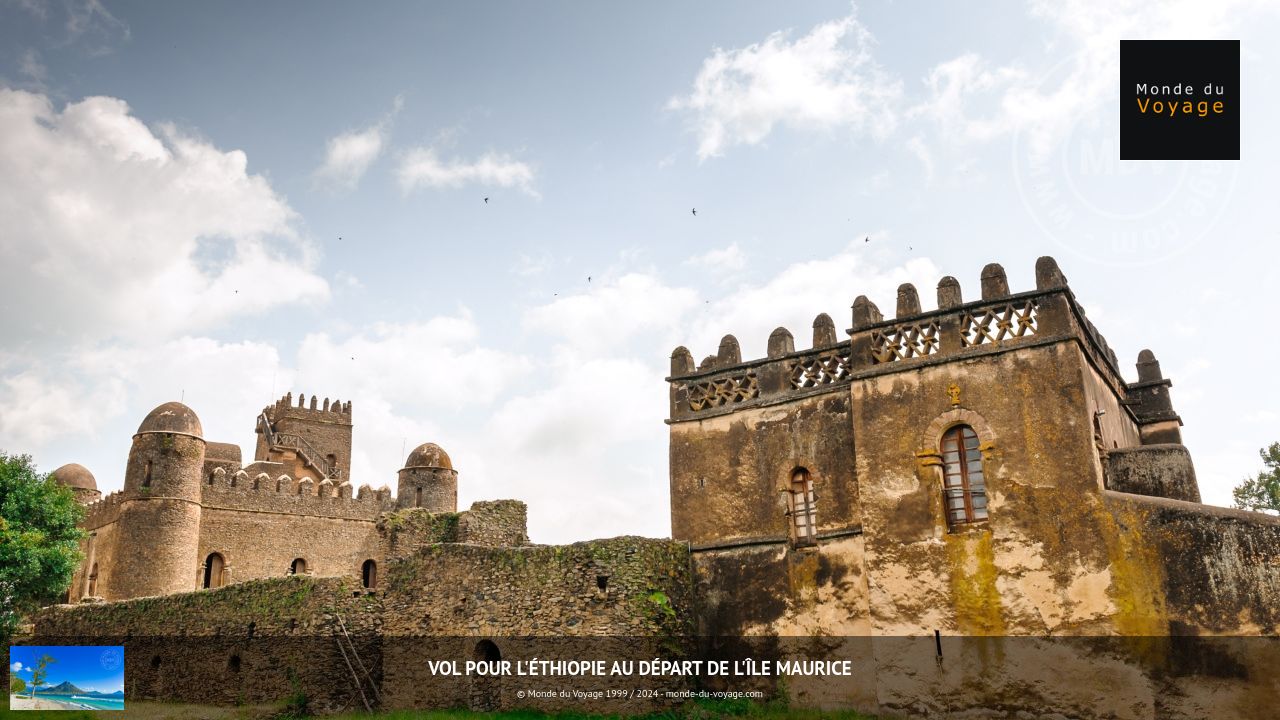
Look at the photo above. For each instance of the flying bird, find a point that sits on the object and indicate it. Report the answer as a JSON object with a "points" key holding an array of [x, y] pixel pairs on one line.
{"points": [[588, 278], [867, 240], [695, 212], [486, 201]]}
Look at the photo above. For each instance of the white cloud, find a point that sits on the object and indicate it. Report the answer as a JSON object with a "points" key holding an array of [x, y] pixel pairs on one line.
{"points": [[422, 168], [723, 263], [349, 155], [110, 229], [921, 151], [824, 80], [16, 667]]}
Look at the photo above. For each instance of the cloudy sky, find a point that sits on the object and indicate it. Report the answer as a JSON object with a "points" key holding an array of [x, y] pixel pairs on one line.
{"points": [[222, 203]]}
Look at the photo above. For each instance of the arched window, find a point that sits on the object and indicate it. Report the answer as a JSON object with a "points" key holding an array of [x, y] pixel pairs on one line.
{"points": [[417, 497], [93, 581], [146, 477], [963, 488], [298, 567], [369, 574], [801, 508], [213, 566]]}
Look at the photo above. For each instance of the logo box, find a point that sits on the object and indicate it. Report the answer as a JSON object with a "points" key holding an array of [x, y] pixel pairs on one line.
{"points": [[1179, 99]]}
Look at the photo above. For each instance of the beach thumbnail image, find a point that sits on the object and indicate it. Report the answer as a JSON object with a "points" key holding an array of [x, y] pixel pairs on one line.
{"points": [[66, 677]]}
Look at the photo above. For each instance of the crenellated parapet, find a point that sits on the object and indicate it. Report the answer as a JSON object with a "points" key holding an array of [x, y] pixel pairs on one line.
{"points": [[998, 321], [281, 493], [286, 407], [103, 511]]}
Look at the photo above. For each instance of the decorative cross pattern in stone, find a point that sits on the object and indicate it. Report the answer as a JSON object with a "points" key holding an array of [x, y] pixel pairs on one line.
{"points": [[998, 323], [821, 369], [900, 342], [723, 390]]}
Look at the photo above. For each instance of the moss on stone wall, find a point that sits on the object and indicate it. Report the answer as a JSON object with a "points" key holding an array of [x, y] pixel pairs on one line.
{"points": [[972, 569]]}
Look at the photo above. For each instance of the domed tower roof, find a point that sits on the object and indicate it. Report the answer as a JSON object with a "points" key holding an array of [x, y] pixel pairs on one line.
{"points": [[429, 455], [172, 417], [74, 475]]}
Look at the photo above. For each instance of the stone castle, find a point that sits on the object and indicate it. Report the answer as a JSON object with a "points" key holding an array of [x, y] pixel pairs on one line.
{"points": [[192, 515], [969, 502]]}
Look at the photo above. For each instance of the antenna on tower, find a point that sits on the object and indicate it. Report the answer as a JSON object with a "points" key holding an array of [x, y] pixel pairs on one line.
{"points": [[183, 397]]}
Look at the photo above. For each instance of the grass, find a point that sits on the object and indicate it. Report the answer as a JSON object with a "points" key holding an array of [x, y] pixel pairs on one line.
{"points": [[707, 710]]}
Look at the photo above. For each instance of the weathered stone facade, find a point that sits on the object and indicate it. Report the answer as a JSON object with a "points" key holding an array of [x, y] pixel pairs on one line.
{"points": [[970, 503], [1084, 524]]}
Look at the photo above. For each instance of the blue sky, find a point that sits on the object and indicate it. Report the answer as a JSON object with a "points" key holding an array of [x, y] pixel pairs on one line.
{"points": [[222, 203], [88, 667]]}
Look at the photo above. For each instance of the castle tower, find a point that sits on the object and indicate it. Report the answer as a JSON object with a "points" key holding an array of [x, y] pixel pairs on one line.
{"points": [[80, 480], [428, 481], [314, 438], [159, 528]]}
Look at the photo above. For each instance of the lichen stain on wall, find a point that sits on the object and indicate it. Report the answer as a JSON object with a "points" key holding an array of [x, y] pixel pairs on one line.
{"points": [[974, 596]]}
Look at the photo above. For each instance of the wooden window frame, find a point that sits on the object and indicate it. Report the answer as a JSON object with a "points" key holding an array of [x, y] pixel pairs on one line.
{"points": [[802, 503], [967, 488]]}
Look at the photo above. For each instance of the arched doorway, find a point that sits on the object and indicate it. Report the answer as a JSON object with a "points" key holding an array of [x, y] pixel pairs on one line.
{"points": [[213, 567], [486, 690], [93, 580], [369, 574], [298, 567]]}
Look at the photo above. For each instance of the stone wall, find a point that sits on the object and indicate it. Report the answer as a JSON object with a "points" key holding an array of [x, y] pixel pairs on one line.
{"points": [[256, 642], [265, 544], [499, 523], [730, 474], [1155, 470], [632, 597]]}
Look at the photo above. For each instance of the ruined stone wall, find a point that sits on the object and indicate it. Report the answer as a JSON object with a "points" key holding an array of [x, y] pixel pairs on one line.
{"points": [[499, 523], [632, 596], [1218, 569], [730, 474], [255, 642]]}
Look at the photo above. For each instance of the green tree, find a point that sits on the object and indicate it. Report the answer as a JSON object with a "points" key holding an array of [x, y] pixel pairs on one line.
{"points": [[40, 673], [1262, 492], [16, 685], [39, 540]]}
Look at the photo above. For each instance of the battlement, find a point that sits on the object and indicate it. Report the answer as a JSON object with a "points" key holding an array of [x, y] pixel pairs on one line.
{"points": [[334, 410], [997, 322], [103, 511], [284, 494]]}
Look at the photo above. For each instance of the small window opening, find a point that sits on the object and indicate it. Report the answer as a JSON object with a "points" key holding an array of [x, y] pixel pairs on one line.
{"points": [[93, 581], [146, 475], [155, 662], [964, 487], [369, 574], [298, 567], [602, 582], [233, 663], [802, 508], [417, 497]]}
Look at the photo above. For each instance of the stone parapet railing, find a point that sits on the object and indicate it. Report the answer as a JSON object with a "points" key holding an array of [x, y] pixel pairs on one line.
{"points": [[999, 321]]}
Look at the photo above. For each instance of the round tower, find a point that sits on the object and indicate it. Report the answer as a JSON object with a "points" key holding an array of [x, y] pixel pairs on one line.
{"points": [[80, 480], [157, 550], [428, 481]]}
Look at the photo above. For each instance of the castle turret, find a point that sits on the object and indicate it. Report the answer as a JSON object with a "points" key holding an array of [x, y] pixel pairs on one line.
{"points": [[312, 439], [428, 480], [159, 529], [80, 480]]}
